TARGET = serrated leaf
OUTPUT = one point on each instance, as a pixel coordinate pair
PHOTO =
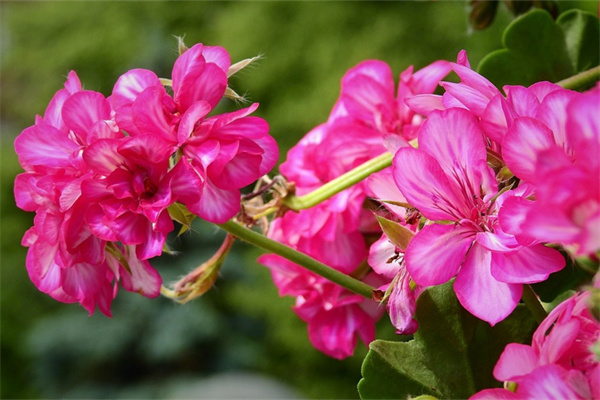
(534, 50)
(399, 235)
(452, 354)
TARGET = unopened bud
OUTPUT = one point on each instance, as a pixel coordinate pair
(200, 280)
(518, 7)
(181, 45)
(510, 386)
(482, 13)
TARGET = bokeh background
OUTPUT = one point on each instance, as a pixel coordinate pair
(241, 339)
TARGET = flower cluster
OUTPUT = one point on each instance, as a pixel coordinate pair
(101, 174)
(492, 226)
(368, 119)
(559, 364)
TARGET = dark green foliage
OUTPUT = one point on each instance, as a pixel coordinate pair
(451, 357)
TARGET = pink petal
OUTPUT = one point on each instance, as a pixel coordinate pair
(402, 306)
(515, 361)
(523, 101)
(495, 394)
(480, 293)
(190, 118)
(46, 146)
(436, 253)
(546, 382)
(455, 139)
(513, 218)
(22, 192)
(525, 139)
(216, 205)
(83, 109)
(190, 61)
(583, 129)
(208, 85)
(103, 156)
(143, 279)
(217, 55)
(424, 104)
(147, 150)
(186, 185)
(380, 253)
(528, 265)
(149, 114)
(131, 84)
(425, 185)
(553, 113)
(427, 79)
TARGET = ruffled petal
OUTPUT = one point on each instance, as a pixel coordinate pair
(515, 361)
(83, 109)
(130, 85)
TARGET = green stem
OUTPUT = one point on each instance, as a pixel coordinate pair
(582, 80)
(295, 256)
(340, 183)
(533, 303)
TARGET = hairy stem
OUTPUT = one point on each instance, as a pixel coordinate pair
(582, 80)
(295, 256)
(340, 183)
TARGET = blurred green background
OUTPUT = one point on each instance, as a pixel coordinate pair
(241, 330)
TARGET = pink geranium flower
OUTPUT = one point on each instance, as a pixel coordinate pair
(557, 152)
(449, 181)
(559, 363)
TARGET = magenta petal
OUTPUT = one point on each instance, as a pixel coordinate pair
(83, 109)
(44, 145)
(143, 279)
(516, 360)
(131, 84)
(513, 217)
(208, 85)
(190, 118)
(553, 113)
(147, 150)
(149, 114)
(495, 394)
(190, 61)
(427, 79)
(547, 382)
(103, 156)
(216, 205)
(480, 293)
(22, 191)
(470, 97)
(424, 104)
(525, 139)
(379, 254)
(425, 185)
(436, 253)
(583, 129)
(82, 280)
(217, 55)
(528, 265)
(455, 139)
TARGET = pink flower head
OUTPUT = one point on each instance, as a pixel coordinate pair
(557, 152)
(199, 80)
(559, 363)
(336, 318)
(449, 181)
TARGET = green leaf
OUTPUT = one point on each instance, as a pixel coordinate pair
(399, 235)
(582, 37)
(452, 354)
(178, 212)
(535, 49)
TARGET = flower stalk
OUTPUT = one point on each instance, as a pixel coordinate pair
(297, 257)
(339, 184)
(582, 80)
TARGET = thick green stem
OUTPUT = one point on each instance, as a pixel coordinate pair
(301, 259)
(582, 80)
(340, 183)
(533, 303)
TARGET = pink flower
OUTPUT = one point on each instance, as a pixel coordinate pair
(448, 180)
(132, 189)
(336, 318)
(557, 151)
(559, 363)
(199, 80)
(65, 258)
(227, 151)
